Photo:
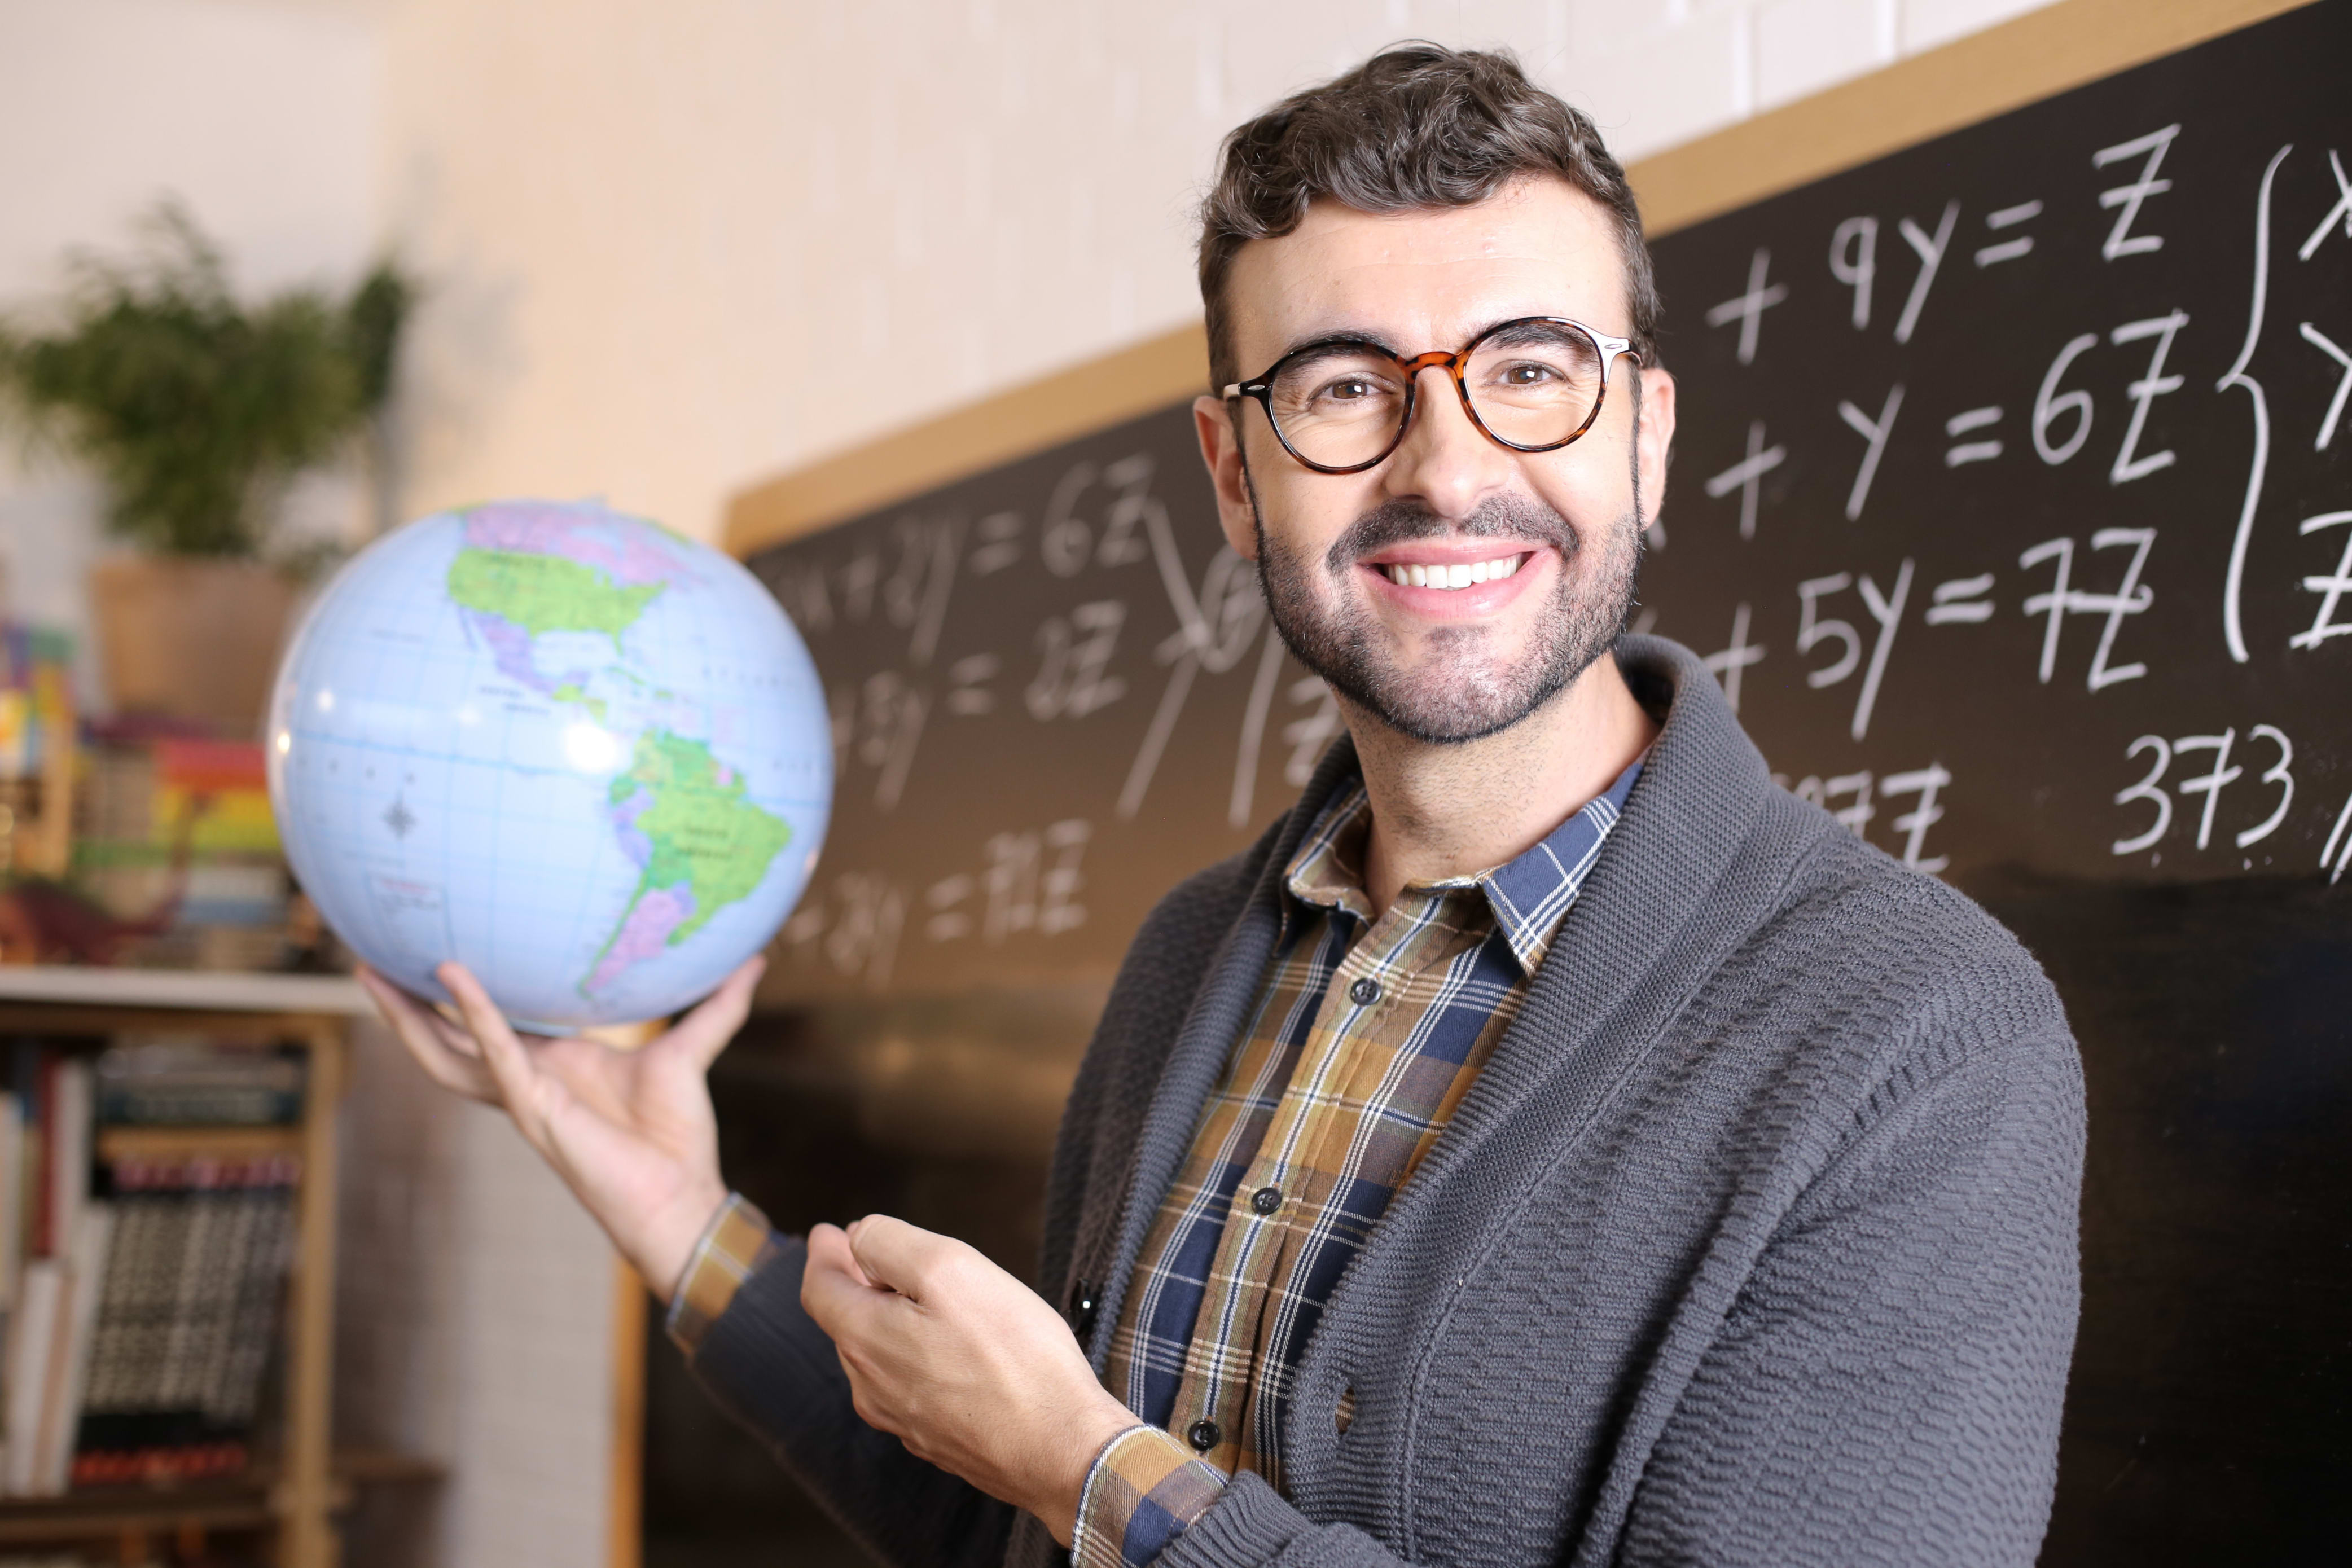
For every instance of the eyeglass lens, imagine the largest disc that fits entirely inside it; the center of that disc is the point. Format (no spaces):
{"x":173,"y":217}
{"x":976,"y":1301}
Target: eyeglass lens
{"x":1531,"y":383}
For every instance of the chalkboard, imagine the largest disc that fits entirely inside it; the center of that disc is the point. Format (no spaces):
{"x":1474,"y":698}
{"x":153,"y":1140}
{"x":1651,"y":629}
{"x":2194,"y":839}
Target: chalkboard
{"x":2012,"y":507}
{"x":1056,"y":693}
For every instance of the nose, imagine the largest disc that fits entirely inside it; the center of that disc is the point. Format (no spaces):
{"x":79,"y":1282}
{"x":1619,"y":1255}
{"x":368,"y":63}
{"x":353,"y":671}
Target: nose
{"x":1445,"y":462}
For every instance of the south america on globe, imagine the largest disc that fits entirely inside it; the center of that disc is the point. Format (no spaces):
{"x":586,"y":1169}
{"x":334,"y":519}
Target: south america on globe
{"x":583,"y":756}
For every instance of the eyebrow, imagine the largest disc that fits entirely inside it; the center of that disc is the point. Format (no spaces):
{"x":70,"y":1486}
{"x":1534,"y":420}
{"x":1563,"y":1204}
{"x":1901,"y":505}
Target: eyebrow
{"x":1353,"y":338}
{"x":1342,"y":339}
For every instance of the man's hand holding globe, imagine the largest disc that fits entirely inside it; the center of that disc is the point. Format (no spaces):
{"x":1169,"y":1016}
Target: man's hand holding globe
{"x":630,"y":1132}
{"x":944,"y":1350}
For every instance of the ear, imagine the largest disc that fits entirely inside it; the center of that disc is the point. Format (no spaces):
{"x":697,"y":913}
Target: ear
{"x":1220,"y":449}
{"x":1656,"y":441}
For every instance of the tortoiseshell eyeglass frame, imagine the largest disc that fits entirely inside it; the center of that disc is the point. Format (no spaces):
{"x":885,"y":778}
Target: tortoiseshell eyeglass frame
{"x":1260,"y":388}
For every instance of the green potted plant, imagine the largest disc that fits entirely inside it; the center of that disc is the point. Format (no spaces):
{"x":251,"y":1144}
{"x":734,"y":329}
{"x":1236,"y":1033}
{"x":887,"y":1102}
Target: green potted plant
{"x":194,"y":410}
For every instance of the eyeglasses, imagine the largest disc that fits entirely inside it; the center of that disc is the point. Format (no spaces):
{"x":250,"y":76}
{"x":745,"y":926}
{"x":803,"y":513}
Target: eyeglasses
{"x":1533,"y":384}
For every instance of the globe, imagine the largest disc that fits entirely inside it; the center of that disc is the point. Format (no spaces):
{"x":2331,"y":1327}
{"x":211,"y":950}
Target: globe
{"x":583,"y":756}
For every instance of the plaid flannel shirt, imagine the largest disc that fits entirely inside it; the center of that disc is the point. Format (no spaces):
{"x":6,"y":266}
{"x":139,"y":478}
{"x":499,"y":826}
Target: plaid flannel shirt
{"x":1367,"y":1031}
{"x":1366,"y":1035}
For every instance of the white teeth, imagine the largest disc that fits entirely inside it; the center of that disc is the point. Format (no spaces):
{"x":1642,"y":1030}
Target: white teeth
{"x":1462,"y":574}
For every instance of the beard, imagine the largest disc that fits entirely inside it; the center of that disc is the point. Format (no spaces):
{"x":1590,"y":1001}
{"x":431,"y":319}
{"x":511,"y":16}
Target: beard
{"x":1467,"y":688}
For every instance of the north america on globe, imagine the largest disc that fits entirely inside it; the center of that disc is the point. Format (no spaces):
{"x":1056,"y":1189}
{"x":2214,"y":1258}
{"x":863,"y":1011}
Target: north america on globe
{"x":586,"y":748}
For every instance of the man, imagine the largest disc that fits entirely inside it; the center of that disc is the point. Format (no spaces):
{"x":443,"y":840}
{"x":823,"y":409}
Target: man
{"x":1551,"y":1142}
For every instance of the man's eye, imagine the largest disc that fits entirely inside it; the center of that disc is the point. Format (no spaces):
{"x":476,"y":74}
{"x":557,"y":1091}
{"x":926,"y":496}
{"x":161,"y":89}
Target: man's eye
{"x":1349,"y":391}
{"x":1526,"y":375}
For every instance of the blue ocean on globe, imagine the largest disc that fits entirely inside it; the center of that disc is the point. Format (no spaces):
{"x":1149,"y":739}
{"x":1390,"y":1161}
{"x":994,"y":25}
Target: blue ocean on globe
{"x":581,"y":755}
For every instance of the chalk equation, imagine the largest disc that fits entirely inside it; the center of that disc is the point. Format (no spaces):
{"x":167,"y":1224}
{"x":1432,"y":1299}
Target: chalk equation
{"x":1992,"y":471}
{"x":1072,"y":653}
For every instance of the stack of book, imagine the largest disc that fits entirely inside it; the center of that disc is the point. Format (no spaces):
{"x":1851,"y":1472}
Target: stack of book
{"x":144,"y":1274}
{"x":174,"y":838}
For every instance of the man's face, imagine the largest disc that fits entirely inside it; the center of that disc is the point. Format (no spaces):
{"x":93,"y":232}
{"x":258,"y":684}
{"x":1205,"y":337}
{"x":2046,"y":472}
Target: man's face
{"x":1555,"y":533}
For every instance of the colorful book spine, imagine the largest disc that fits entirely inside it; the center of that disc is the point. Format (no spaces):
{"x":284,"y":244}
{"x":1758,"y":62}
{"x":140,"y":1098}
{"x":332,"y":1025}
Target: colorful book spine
{"x":69,"y":1154}
{"x":11,"y":1196}
{"x":169,"y":1084}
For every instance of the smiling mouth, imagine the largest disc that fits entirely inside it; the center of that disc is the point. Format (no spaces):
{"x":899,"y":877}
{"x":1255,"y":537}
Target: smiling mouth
{"x":1459,"y":574}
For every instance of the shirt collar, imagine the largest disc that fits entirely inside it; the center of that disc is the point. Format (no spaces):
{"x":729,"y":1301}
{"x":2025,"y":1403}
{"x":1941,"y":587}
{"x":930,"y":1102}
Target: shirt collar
{"x":1328,"y":869}
{"x":1529,"y":897}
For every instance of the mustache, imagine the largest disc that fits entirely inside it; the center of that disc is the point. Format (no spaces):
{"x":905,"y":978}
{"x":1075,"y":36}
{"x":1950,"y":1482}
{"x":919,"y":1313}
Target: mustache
{"x":1404,"y":519}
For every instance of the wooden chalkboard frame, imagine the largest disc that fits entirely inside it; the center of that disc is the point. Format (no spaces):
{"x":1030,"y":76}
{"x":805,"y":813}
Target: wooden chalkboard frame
{"x":1973,"y":78}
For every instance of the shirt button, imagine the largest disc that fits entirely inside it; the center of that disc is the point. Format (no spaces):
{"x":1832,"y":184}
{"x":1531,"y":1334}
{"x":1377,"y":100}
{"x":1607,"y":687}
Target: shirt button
{"x":1266,"y":1199}
{"x":1364,"y":992}
{"x":1203,"y":1435}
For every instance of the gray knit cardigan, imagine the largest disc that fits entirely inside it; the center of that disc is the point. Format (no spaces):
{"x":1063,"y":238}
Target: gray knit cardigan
{"x":1754,"y":1243}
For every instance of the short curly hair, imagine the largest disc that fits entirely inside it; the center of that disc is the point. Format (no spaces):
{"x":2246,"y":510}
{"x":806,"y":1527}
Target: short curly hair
{"x":1418,"y":127}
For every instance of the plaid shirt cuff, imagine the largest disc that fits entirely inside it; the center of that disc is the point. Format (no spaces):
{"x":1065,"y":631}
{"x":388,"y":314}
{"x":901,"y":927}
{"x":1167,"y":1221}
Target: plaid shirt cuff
{"x":1146,"y":1489}
{"x":737,"y":1244}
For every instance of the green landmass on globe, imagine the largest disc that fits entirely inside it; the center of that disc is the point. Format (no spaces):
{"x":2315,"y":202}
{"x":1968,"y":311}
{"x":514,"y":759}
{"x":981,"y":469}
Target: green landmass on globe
{"x":682,"y":813}
{"x":541,"y":593}
{"x":571,"y":692}
{"x":706,"y":837}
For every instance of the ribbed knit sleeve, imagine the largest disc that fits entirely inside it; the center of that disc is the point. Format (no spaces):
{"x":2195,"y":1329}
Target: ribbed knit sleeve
{"x":770,"y":1367}
{"x":1884,"y":1388}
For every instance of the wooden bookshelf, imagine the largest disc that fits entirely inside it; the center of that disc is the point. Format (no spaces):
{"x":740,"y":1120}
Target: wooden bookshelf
{"x":245,"y":1502}
{"x":337,"y":996}
{"x":294,"y":1495}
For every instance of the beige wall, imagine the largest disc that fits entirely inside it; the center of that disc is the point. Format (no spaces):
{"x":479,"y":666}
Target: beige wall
{"x":680,"y":247}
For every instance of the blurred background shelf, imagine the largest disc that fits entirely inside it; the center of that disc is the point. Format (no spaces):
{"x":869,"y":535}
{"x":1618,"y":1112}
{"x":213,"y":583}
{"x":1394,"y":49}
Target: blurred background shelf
{"x":87,"y":1516}
{"x":293,"y":1494}
{"x":195,"y":990}
{"x":248,"y":1501}
{"x":188,"y":1142}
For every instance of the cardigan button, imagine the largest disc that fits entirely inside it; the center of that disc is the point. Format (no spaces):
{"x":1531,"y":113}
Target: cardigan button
{"x":1082,"y":1307}
{"x":1203,"y":1435}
